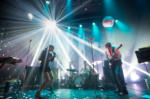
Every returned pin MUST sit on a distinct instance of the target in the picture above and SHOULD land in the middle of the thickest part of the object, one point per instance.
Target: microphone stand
(25, 69)
(93, 67)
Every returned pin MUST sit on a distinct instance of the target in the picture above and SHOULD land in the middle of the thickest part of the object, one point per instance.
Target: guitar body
(111, 60)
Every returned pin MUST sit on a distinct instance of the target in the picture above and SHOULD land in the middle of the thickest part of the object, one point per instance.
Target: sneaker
(38, 96)
(51, 89)
(125, 93)
(117, 91)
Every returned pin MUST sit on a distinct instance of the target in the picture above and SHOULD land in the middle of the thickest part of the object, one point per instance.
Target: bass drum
(79, 81)
(75, 75)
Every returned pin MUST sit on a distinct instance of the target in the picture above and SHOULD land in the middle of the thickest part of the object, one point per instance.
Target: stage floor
(136, 91)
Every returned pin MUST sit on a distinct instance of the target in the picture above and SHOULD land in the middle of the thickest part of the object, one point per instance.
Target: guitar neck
(116, 51)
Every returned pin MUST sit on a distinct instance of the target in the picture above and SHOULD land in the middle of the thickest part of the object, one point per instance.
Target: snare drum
(79, 81)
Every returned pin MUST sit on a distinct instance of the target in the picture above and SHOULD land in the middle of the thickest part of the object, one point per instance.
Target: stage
(136, 91)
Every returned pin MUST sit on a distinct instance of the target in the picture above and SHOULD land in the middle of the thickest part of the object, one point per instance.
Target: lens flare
(30, 16)
(51, 24)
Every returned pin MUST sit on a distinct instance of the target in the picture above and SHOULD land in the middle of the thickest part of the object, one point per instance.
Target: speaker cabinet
(107, 74)
(33, 78)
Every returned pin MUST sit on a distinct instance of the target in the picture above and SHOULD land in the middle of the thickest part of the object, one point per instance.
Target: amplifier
(10, 86)
(2, 89)
(107, 74)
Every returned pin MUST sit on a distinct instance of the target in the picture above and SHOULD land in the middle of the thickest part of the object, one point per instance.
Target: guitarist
(115, 67)
(46, 56)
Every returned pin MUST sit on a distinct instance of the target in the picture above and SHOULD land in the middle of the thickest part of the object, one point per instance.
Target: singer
(46, 56)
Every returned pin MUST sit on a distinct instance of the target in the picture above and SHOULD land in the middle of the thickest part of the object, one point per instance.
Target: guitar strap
(113, 49)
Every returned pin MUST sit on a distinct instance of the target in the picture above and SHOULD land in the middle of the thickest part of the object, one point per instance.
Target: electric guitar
(111, 60)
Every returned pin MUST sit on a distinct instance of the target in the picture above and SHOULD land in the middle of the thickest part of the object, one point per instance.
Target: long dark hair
(108, 44)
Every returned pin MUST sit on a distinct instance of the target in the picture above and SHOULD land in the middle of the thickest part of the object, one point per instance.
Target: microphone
(91, 38)
(54, 53)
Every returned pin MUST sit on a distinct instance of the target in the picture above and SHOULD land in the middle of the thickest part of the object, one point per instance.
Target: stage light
(68, 27)
(146, 62)
(63, 77)
(51, 24)
(100, 77)
(134, 76)
(93, 23)
(48, 2)
(30, 16)
(123, 26)
(80, 25)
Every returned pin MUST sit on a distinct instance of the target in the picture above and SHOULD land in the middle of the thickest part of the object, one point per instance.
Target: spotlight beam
(77, 50)
(61, 66)
(136, 68)
(48, 37)
(98, 49)
(73, 11)
(61, 45)
(84, 42)
(37, 51)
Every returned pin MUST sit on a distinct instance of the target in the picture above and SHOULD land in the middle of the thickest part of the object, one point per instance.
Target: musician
(46, 56)
(115, 68)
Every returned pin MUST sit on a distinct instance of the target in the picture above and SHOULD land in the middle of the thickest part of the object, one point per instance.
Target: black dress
(44, 67)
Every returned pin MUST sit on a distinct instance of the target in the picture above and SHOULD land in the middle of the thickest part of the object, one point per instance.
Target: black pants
(116, 74)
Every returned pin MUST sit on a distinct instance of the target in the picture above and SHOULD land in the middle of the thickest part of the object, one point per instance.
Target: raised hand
(49, 58)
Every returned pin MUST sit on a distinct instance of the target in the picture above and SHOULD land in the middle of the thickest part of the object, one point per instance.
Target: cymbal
(97, 62)
(72, 70)
(83, 70)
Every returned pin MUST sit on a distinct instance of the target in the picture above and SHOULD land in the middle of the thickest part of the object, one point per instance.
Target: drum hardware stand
(98, 75)
(96, 97)
(103, 85)
(69, 82)
(25, 69)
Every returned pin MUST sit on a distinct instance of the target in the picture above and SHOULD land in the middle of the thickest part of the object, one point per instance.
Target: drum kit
(83, 80)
